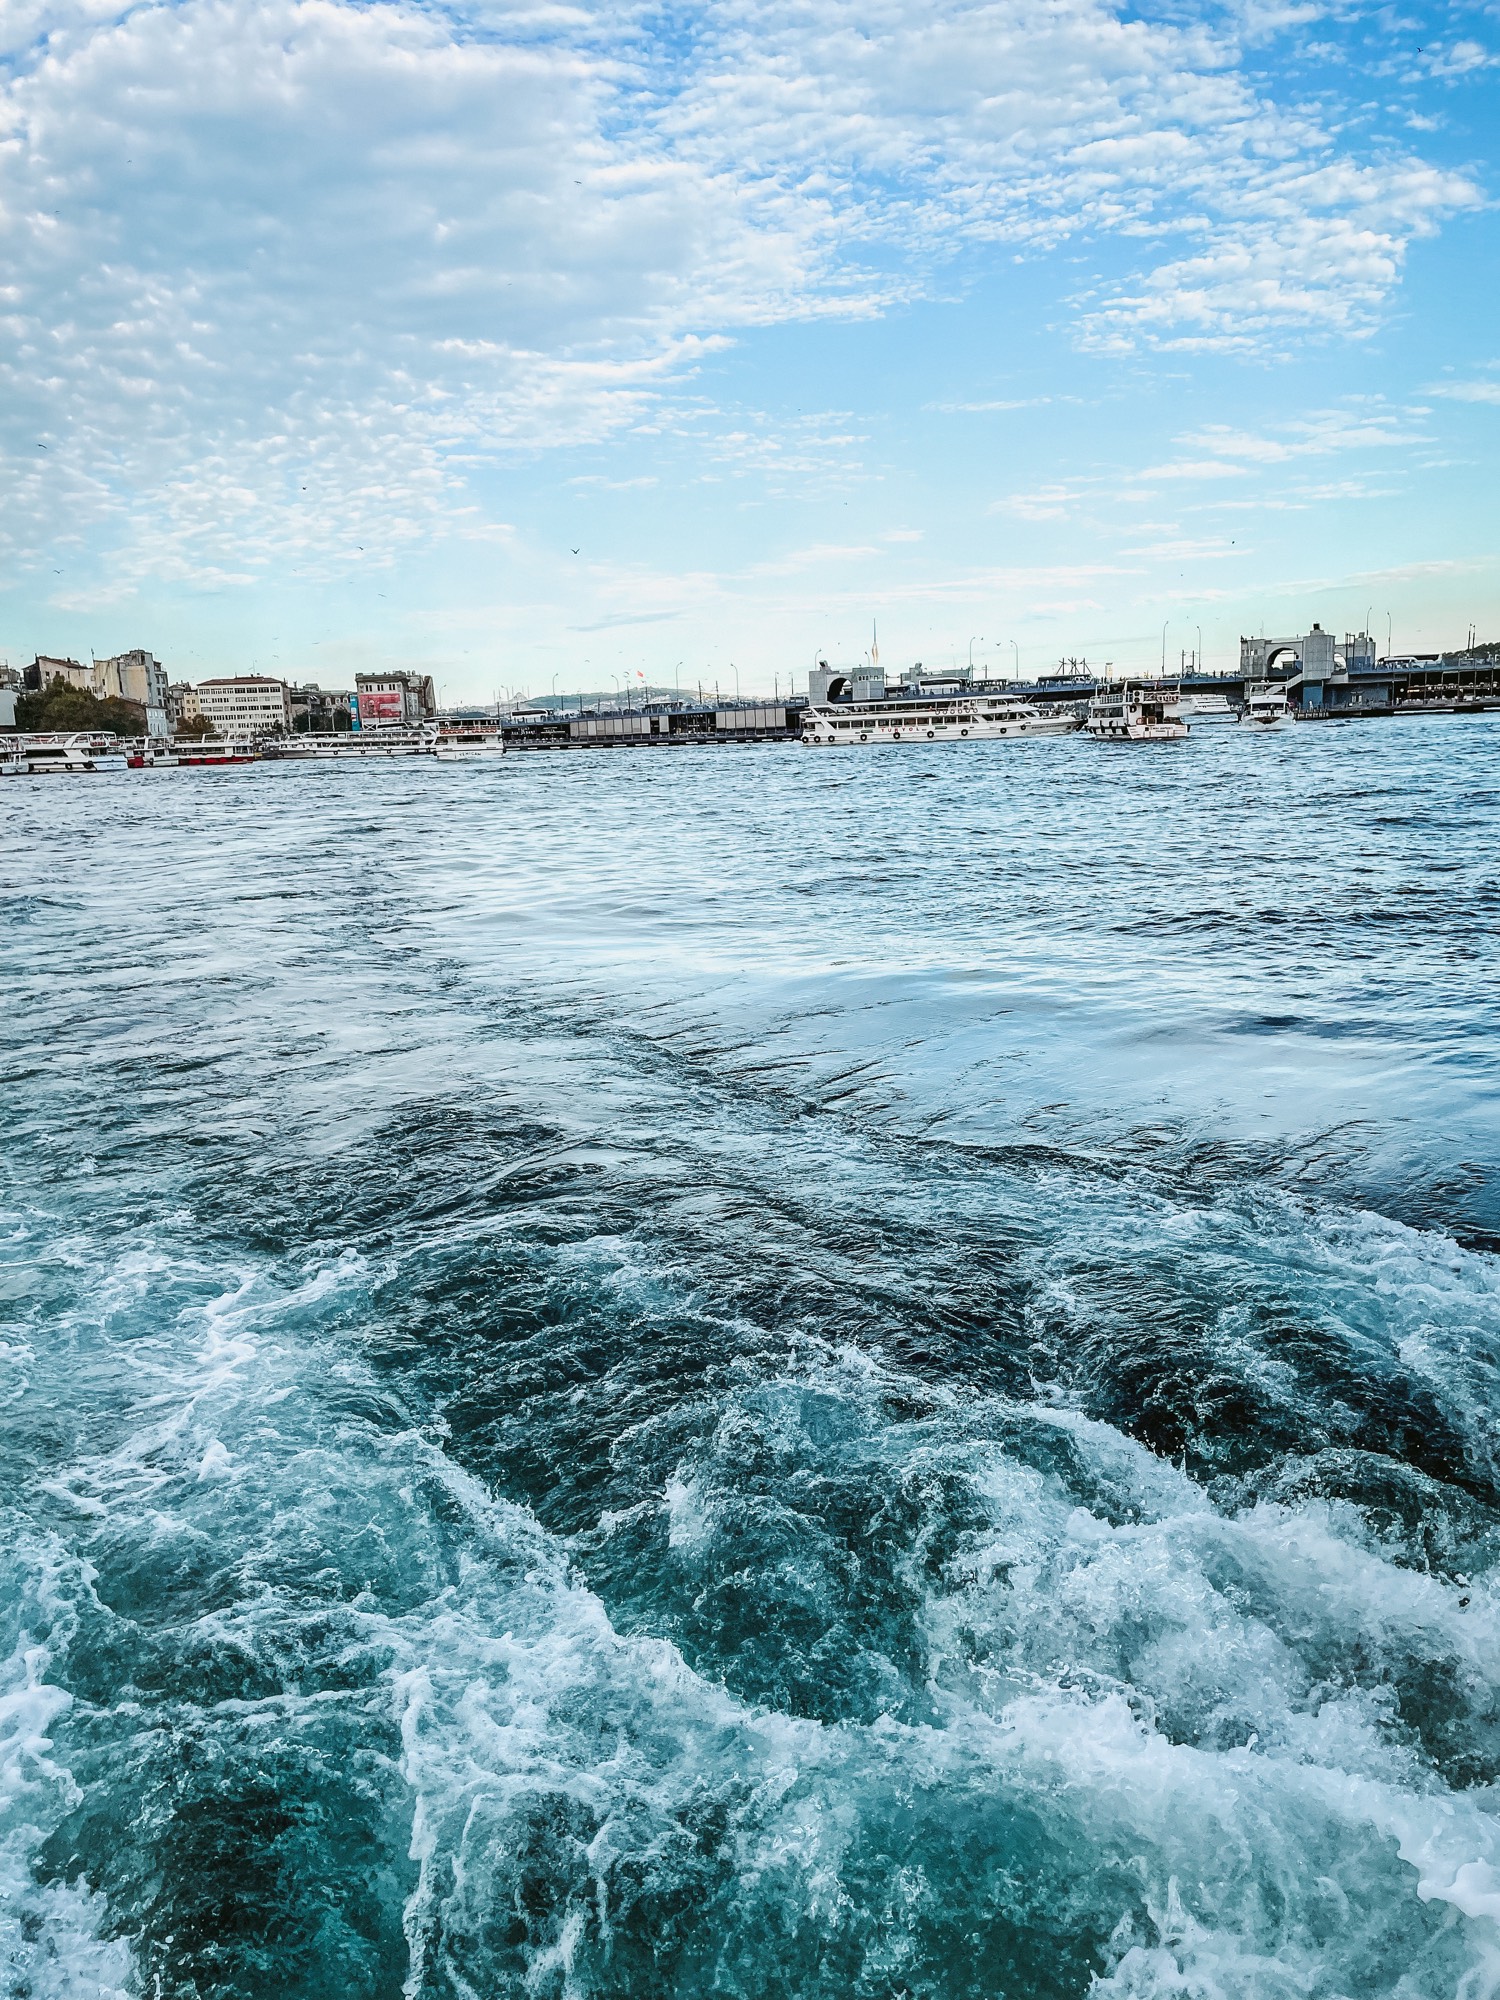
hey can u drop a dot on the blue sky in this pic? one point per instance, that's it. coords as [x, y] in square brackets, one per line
[536, 342]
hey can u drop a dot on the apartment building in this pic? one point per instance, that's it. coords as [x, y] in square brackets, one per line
[395, 700]
[245, 705]
[182, 703]
[136, 676]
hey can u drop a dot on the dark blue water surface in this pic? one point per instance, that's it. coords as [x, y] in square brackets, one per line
[754, 1373]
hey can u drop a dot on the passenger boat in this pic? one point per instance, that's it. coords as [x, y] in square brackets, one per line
[1203, 706]
[72, 755]
[929, 718]
[452, 746]
[352, 745]
[1129, 714]
[1266, 704]
[211, 750]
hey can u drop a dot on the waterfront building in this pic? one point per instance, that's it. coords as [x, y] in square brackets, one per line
[245, 705]
[7, 708]
[182, 703]
[395, 700]
[136, 676]
[45, 669]
[322, 711]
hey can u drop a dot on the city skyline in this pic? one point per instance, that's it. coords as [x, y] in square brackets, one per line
[510, 344]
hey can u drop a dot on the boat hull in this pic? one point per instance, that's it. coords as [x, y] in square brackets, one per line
[1136, 732]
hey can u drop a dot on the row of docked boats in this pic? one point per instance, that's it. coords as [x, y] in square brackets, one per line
[83, 752]
[1128, 712]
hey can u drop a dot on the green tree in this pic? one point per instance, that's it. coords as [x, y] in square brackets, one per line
[65, 709]
[196, 726]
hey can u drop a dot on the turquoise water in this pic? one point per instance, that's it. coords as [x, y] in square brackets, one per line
[744, 1374]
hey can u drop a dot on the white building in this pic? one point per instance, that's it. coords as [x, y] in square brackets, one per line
[244, 705]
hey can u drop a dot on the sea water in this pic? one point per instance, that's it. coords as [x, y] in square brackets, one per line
[753, 1373]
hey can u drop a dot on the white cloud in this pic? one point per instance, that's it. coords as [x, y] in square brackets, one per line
[1044, 503]
[1467, 392]
[1232, 453]
[983, 409]
[279, 273]
[1461, 59]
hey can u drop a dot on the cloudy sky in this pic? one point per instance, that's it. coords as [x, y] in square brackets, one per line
[541, 342]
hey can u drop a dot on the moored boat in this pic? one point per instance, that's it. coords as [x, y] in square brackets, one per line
[934, 719]
[75, 754]
[453, 746]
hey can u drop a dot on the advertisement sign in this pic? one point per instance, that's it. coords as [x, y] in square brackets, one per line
[381, 707]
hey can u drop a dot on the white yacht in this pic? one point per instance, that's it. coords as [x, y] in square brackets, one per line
[1127, 714]
[1266, 704]
[919, 718]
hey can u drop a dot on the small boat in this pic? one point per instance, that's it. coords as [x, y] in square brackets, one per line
[1266, 704]
[1129, 714]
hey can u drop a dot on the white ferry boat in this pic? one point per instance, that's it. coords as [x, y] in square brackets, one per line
[922, 718]
[1134, 715]
[455, 746]
[353, 744]
[1204, 706]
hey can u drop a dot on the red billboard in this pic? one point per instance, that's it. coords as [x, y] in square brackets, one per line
[380, 707]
